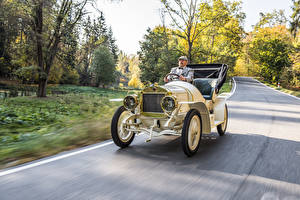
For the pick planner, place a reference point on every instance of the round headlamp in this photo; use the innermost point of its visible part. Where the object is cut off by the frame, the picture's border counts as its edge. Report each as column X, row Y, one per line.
column 130, row 102
column 168, row 103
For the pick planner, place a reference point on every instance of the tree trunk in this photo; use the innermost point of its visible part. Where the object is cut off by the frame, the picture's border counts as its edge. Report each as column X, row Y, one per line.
column 212, row 47
column 39, row 31
column 42, row 88
column 190, row 52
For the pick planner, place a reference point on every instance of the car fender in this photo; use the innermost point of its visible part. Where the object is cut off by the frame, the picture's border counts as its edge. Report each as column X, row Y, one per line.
column 201, row 107
column 219, row 107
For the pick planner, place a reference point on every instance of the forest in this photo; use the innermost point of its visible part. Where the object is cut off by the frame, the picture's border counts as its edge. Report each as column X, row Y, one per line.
column 59, row 42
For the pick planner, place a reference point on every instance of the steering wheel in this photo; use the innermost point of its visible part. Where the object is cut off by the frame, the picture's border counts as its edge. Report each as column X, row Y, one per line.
column 172, row 78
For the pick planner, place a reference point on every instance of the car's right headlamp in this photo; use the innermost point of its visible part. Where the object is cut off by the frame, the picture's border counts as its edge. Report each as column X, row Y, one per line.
column 130, row 102
column 168, row 103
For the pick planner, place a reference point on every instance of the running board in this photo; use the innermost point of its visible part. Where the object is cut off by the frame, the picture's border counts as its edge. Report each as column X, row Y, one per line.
column 214, row 123
column 218, row 123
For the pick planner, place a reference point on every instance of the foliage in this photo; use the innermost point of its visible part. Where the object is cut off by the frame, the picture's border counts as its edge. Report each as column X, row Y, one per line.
column 158, row 54
column 135, row 82
column 69, row 76
column 272, row 19
column 95, row 34
column 52, row 19
column 13, row 42
column 240, row 68
column 112, row 44
column 291, row 75
column 270, row 50
column 27, row 74
column 54, row 35
column 212, row 37
column 221, row 42
column 128, row 71
column 295, row 21
column 103, row 66
column 185, row 18
column 65, row 66
column 205, row 27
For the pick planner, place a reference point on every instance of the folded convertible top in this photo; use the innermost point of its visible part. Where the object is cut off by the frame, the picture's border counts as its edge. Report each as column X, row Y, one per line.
column 214, row 71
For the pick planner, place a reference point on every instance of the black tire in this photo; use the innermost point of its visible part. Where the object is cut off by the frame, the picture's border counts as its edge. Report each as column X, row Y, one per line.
column 185, row 133
column 222, row 127
column 114, row 129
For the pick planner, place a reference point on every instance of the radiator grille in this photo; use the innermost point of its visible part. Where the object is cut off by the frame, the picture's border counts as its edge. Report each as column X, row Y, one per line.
column 151, row 103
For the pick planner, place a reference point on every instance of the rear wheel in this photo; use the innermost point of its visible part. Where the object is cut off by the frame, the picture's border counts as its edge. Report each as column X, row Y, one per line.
column 191, row 133
column 119, row 134
column 222, row 127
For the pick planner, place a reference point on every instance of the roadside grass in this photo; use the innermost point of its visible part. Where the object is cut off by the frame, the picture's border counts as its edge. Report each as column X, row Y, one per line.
column 32, row 128
column 227, row 86
column 285, row 90
column 291, row 91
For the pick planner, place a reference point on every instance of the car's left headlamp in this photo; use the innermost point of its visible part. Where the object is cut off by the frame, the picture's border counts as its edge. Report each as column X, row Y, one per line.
column 168, row 103
column 130, row 102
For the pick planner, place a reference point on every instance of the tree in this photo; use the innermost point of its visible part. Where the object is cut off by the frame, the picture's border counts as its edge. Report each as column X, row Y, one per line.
column 189, row 20
column 270, row 49
column 245, row 66
column 129, row 71
column 46, row 34
column 122, row 70
column 292, row 74
column 112, row 44
column 214, row 40
column 11, row 37
column 135, row 82
column 67, row 56
column 103, row 66
column 95, row 34
column 158, row 54
column 49, row 21
column 272, row 19
column 295, row 23
column 85, row 52
column 222, row 41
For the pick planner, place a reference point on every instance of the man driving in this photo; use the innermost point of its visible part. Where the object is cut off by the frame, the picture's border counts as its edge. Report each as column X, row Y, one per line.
column 184, row 73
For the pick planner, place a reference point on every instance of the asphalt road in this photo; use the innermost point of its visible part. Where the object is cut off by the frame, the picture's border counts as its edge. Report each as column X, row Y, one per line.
column 259, row 158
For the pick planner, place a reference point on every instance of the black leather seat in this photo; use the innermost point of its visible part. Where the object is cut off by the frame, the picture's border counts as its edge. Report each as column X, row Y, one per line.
column 206, row 86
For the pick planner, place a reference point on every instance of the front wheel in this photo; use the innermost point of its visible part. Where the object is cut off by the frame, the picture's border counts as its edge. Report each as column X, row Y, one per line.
column 191, row 133
column 222, row 127
column 119, row 123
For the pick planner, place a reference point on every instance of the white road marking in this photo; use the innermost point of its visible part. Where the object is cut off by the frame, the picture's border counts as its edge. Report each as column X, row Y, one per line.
column 278, row 90
column 116, row 100
column 42, row 162
column 270, row 196
column 233, row 90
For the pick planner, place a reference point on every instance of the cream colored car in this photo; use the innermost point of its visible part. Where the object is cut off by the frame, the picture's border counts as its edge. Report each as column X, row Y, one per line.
column 176, row 108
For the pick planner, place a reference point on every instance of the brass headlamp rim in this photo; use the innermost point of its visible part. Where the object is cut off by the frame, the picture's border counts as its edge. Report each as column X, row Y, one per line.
column 175, row 101
column 135, row 97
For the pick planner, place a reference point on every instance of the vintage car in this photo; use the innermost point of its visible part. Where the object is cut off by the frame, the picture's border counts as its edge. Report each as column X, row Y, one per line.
column 176, row 108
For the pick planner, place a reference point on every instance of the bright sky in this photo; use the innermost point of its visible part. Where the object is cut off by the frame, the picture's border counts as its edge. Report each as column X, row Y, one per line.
column 131, row 18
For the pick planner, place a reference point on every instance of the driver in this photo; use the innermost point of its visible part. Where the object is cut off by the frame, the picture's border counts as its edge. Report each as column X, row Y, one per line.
column 185, row 73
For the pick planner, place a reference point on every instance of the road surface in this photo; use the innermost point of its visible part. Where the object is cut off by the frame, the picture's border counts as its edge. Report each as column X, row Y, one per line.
column 259, row 158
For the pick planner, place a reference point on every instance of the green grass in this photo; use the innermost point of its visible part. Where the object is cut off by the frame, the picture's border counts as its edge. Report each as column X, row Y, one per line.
column 291, row 91
column 285, row 90
column 32, row 128
column 227, row 86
